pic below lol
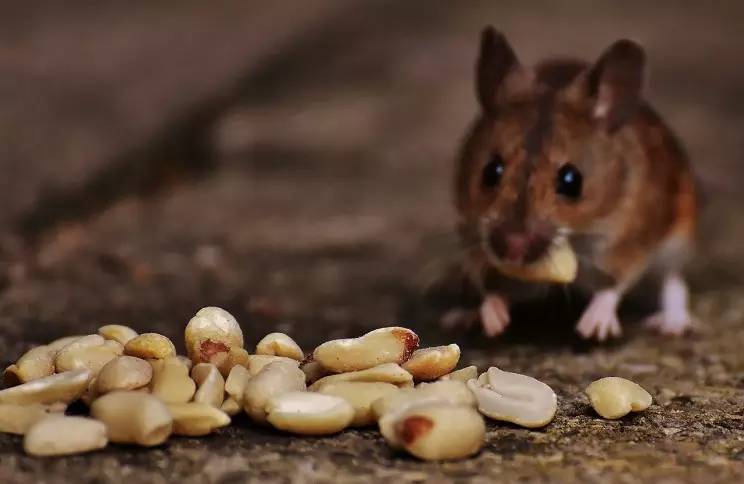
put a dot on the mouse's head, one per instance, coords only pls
(547, 156)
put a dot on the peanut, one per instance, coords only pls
(384, 345)
(196, 419)
(210, 336)
(116, 332)
(432, 363)
(256, 362)
(360, 395)
(150, 345)
(273, 380)
(463, 374)
(614, 397)
(279, 344)
(123, 373)
(172, 382)
(62, 435)
(133, 418)
(307, 413)
(386, 373)
(210, 385)
(17, 419)
(64, 387)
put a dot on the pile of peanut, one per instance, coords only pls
(140, 392)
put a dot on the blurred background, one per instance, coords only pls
(291, 161)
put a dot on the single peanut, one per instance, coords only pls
(463, 374)
(124, 373)
(62, 435)
(257, 362)
(36, 363)
(432, 363)
(279, 344)
(231, 406)
(614, 397)
(92, 358)
(17, 419)
(235, 382)
(116, 332)
(313, 370)
(150, 345)
(386, 373)
(384, 345)
(515, 398)
(305, 413)
(172, 382)
(210, 385)
(196, 419)
(133, 418)
(64, 387)
(210, 336)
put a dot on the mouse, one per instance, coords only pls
(570, 151)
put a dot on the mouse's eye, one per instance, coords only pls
(492, 171)
(568, 182)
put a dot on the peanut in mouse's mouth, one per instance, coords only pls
(557, 264)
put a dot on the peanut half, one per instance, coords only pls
(123, 373)
(196, 419)
(92, 358)
(386, 373)
(559, 266)
(231, 406)
(273, 380)
(313, 370)
(63, 435)
(360, 395)
(63, 387)
(17, 419)
(614, 397)
(306, 413)
(210, 385)
(256, 362)
(211, 335)
(60, 343)
(440, 431)
(432, 363)
(36, 363)
(463, 374)
(515, 398)
(133, 418)
(171, 381)
(384, 345)
(235, 382)
(279, 344)
(116, 332)
(150, 345)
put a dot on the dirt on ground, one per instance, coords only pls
(321, 208)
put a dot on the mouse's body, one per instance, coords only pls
(570, 150)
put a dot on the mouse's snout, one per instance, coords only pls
(521, 247)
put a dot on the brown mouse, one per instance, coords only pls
(570, 150)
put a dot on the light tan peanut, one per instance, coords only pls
(226, 361)
(210, 335)
(313, 370)
(63, 435)
(559, 266)
(384, 345)
(515, 398)
(463, 374)
(34, 364)
(133, 418)
(150, 345)
(116, 332)
(87, 341)
(92, 358)
(231, 406)
(235, 382)
(197, 419)
(453, 391)
(432, 363)
(306, 413)
(172, 382)
(210, 385)
(124, 373)
(614, 397)
(386, 373)
(63, 387)
(273, 380)
(257, 362)
(440, 431)
(360, 396)
(279, 344)
(60, 343)
(17, 419)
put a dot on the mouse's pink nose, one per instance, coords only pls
(516, 247)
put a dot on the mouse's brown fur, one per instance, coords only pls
(638, 198)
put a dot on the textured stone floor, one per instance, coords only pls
(327, 215)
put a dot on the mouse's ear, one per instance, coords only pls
(613, 85)
(498, 71)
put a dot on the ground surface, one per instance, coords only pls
(324, 212)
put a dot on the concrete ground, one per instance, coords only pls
(323, 211)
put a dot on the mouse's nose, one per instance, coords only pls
(516, 246)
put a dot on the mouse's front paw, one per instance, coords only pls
(494, 315)
(600, 318)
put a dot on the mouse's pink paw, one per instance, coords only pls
(600, 317)
(671, 322)
(494, 315)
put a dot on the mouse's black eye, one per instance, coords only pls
(492, 171)
(568, 182)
